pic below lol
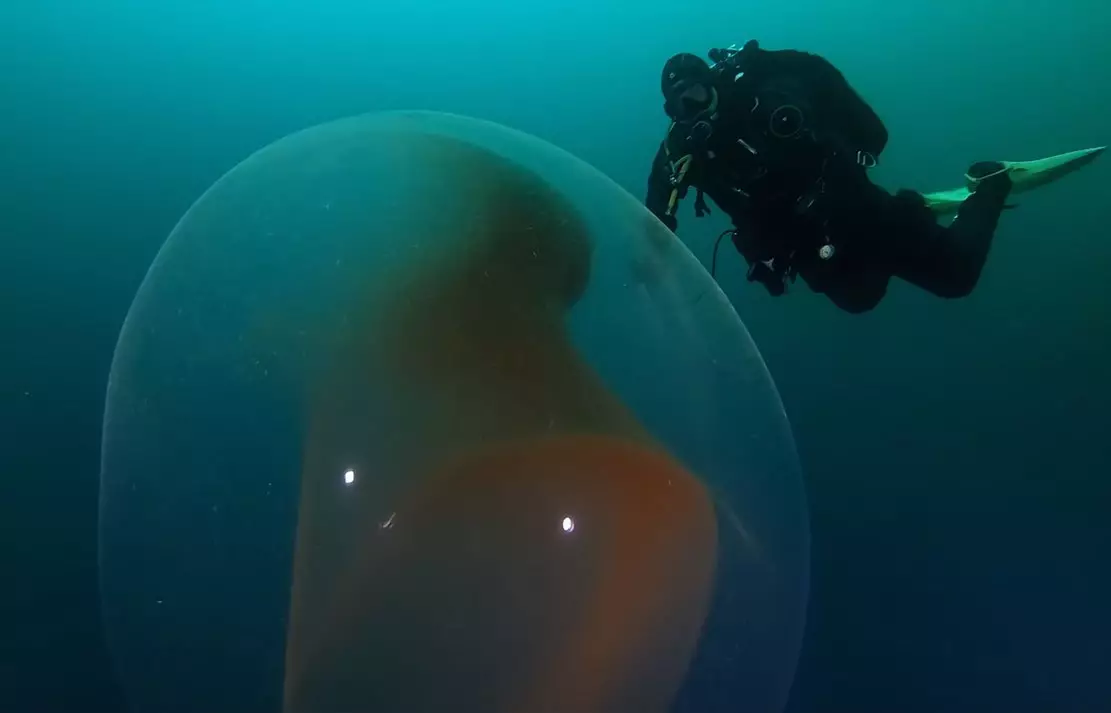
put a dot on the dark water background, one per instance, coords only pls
(956, 453)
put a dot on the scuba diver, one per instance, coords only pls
(782, 143)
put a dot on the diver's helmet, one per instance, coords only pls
(687, 86)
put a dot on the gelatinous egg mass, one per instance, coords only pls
(414, 412)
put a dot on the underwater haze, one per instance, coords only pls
(955, 453)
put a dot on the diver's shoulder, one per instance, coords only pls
(803, 57)
(791, 59)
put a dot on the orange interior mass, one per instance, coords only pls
(474, 594)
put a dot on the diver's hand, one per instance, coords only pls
(993, 179)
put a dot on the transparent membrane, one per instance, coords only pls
(417, 412)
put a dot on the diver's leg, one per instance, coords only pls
(946, 261)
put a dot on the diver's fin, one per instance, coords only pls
(944, 202)
(1025, 175)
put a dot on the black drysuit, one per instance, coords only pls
(871, 234)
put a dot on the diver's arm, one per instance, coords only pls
(659, 189)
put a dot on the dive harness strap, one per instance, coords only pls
(679, 183)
